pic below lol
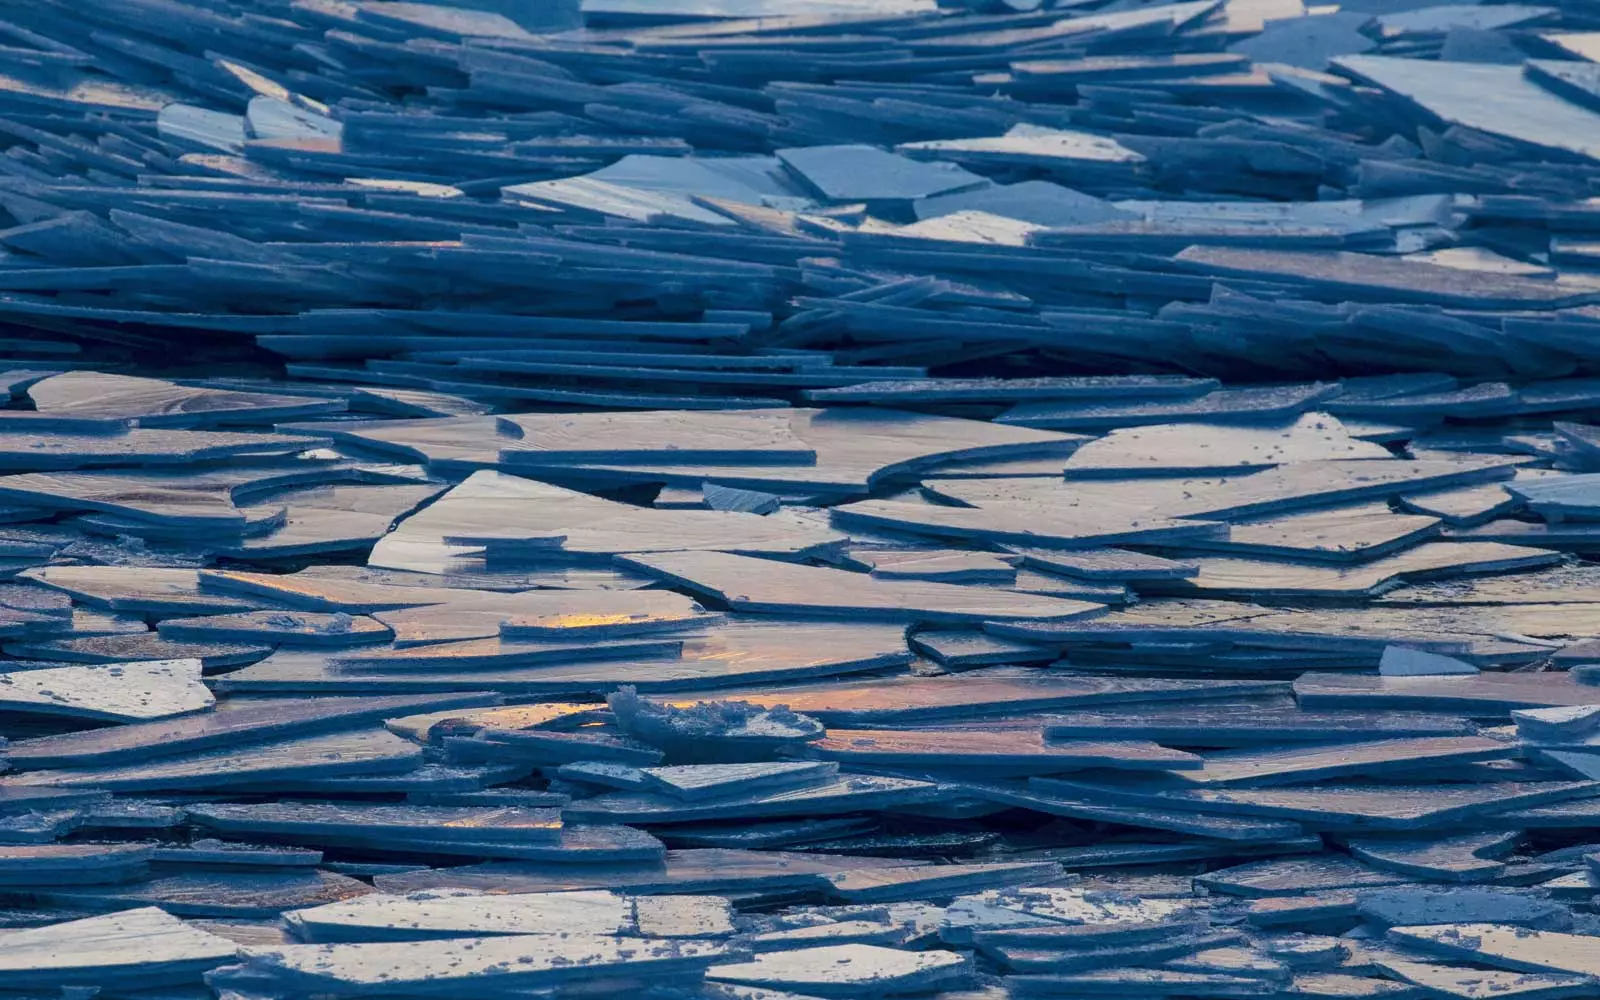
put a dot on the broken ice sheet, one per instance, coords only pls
(999, 522)
(995, 753)
(997, 390)
(865, 174)
(692, 782)
(1464, 858)
(1172, 449)
(856, 448)
(1105, 564)
(1031, 145)
(137, 646)
(1398, 661)
(669, 189)
(765, 586)
(198, 501)
(837, 932)
(1229, 576)
(361, 752)
(694, 437)
(220, 893)
(1507, 947)
(73, 864)
(497, 653)
(323, 589)
(848, 970)
(24, 449)
(157, 403)
(602, 616)
(530, 520)
(521, 960)
(1308, 42)
(1274, 491)
(975, 694)
(548, 748)
(1309, 762)
(1484, 694)
(225, 856)
(843, 794)
(1477, 984)
(1223, 405)
(137, 948)
(1168, 134)
(117, 692)
(292, 628)
(327, 519)
(1575, 583)
(547, 616)
(731, 731)
(742, 651)
(743, 501)
(1409, 806)
(1051, 910)
(1340, 535)
(769, 834)
(1493, 99)
(893, 883)
(1364, 276)
(1475, 631)
(580, 845)
(691, 871)
(599, 197)
(1466, 507)
(946, 565)
(1035, 201)
(1294, 876)
(308, 822)
(427, 727)
(433, 915)
(1559, 497)
(1556, 725)
(961, 650)
(1244, 723)
(230, 721)
(143, 590)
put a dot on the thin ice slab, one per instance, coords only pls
(230, 722)
(380, 917)
(115, 692)
(522, 517)
(681, 436)
(1198, 449)
(526, 961)
(290, 628)
(1516, 948)
(703, 870)
(845, 794)
(692, 782)
(905, 700)
(158, 403)
(373, 751)
(764, 586)
(999, 752)
(847, 970)
(138, 948)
